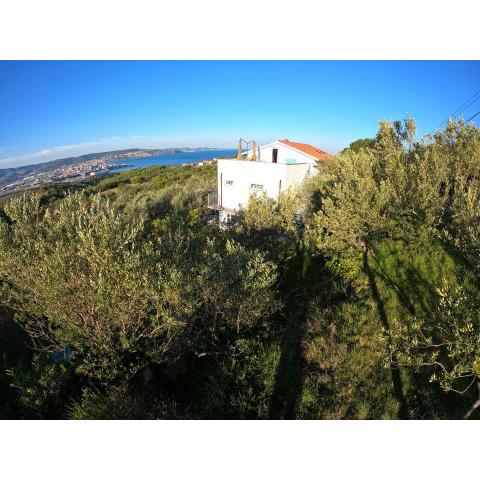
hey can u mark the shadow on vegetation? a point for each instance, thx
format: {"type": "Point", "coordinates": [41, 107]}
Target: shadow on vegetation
{"type": "Point", "coordinates": [290, 372]}
{"type": "Point", "coordinates": [305, 277]}
{"type": "Point", "coordinates": [404, 283]}
{"type": "Point", "coordinates": [395, 373]}
{"type": "Point", "coordinates": [414, 292]}
{"type": "Point", "coordinates": [462, 261]}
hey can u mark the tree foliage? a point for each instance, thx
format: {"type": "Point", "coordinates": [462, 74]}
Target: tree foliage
{"type": "Point", "coordinates": [356, 296]}
{"type": "Point", "coordinates": [85, 275]}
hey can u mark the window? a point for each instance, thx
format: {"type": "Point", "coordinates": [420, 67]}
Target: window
{"type": "Point", "coordinates": [275, 155]}
{"type": "Point", "coordinates": [256, 186]}
{"type": "Point", "coordinates": [228, 182]}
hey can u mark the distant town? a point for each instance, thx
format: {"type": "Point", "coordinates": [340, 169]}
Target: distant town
{"type": "Point", "coordinates": [73, 169]}
{"type": "Point", "coordinates": [81, 171]}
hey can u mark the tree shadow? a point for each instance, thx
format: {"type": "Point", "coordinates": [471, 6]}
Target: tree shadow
{"type": "Point", "coordinates": [304, 278]}
{"type": "Point", "coordinates": [382, 313]}
{"type": "Point", "coordinates": [416, 288]}
{"type": "Point", "coordinates": [415, 293]}
{"type": "Point", "coordinates": [462, 260]}
{"type": "Point", "coordinates": [289, 378]}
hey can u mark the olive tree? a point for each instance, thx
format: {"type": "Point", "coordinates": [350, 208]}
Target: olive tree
{"type": "Point", "coordinates": [272, 226]}
{"type": "Point", "coordinates": [383, 192]}
{"type": "Point", "coordinates": [120, 295]}
{"type": "Point", "coordinates": [447, 343]}
{"type": "Point", "coordinates": [448, 347]}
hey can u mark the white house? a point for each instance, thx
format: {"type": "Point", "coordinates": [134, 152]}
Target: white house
{"type": "Point", "coordinates": [269, 169]}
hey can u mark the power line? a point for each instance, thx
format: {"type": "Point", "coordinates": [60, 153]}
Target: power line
{"type": "Point", "coordinates": [466, 106]}
{"type": "Point", "coordinates": [471, 118]}
{"type": "Point", "coordinates": [462, 107]}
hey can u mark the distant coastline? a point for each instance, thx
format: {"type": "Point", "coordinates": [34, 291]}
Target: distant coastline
{"type": "Point", "coordinates": [178, 158]}
{"type": "Point", "coordinates": [86, 166]}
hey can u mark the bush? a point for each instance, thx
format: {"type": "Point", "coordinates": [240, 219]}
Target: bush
{"type": "Point", "coordinates": [85, 275]}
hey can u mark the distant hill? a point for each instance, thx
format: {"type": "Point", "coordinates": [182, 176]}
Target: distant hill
{"type": "Point", "coordinates": [8, 175]}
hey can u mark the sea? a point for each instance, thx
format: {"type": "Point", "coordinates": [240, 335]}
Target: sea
{"type": "Point", "coordinates": [174, 158]}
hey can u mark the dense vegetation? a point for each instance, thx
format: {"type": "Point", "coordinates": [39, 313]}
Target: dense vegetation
{"type": "Point", "coordinates": [356, 296]}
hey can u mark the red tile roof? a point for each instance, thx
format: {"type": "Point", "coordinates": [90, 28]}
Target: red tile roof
{"type": "Point", "coordinates": [308, 149]}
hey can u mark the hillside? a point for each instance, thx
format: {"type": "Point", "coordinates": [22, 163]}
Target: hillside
{"type": "Point", "coordinates": [367, 307]}
{"type": "Point", "coordinates": [8, 175]}
{"type": "Point", "coordinates": [140, 187]}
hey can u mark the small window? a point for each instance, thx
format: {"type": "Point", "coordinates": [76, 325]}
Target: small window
{"type": "Point", "coordinates": [228, 182]}
{"type": "Point", "coordinates": [275, 155]}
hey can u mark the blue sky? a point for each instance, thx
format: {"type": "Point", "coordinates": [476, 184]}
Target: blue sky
{"type": "Point", "coordinates": [56, 109]}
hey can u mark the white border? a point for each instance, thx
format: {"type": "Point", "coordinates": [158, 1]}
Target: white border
{"type": "Point", "coordinates": [246, 29]}
{"type": "Point", "coordinates": [239, 450]}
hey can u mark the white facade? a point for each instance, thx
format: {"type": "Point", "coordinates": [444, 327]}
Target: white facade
{"type": "Point", "coordinates": [285, 154]}
{"type": "Point", "coordinates": [238, 179]}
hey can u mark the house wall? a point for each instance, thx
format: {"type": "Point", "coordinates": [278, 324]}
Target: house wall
{"type": "Point", "coordinates": [297, 174]}
{"type": "Point", "coordinates": [247, 178]}
{"type": "Point", "coordinates": [285, 154]}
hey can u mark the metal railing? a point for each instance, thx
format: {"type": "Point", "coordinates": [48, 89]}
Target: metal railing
{"type": "Point", "coordinates": [212, 200]}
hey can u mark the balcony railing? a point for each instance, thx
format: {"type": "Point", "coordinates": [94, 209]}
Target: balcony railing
{"type": "Point", "coordinates": [212, 201]}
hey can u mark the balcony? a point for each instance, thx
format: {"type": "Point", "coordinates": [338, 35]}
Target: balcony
{"type": "Point", "coordinates": [212, 201]}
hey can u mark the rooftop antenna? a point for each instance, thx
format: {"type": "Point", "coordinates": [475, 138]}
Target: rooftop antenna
{"type": "Point", "coordinates": [239, 153]}
{"type": "Point", "coordinates": [254, 151]}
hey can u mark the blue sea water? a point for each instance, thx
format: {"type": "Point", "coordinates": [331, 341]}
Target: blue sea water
{"type": "Point", "coordinates": [175, 158]}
